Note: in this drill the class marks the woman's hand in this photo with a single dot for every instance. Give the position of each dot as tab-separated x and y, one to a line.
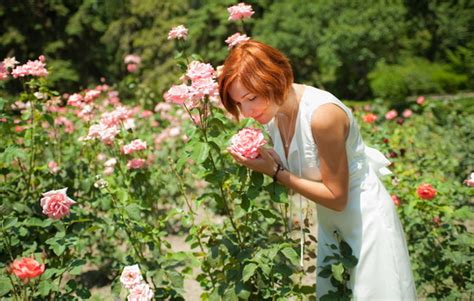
266	163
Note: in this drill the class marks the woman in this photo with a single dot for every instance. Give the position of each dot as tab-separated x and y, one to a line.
319	153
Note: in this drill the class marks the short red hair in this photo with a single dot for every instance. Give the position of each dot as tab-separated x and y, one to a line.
260	68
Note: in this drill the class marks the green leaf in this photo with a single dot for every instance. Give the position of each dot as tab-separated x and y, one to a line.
5	285
291	255
248	271
200	152
133	211
10	222
44	288
242	290
58	249
76	266
337	271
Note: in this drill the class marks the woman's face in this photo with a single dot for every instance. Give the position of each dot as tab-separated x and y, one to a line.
252	105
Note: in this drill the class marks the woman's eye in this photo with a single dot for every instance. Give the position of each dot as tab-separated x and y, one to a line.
253	98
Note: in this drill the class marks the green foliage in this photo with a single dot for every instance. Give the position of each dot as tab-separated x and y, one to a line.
414	76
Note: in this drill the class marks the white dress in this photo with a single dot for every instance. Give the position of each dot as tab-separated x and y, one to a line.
369	223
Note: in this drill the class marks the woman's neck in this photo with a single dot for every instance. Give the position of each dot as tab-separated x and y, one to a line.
290	107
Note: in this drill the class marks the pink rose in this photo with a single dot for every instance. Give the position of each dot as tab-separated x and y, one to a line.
240	11
247	141
132	68
10	62
470	181
34	68
177	94
396	200
178	32
3	72
75	100
236	39
91	95
26	268
132	59
136	163
420	100
197	70
131	276
391	114
135	145
407	113
369	118
426	191
53	166
56	203
141	292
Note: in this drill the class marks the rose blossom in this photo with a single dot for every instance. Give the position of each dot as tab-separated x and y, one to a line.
247	141
396	200
132	59
177	94
135	145
132	68
131	276
426	191
420	100
240	11
369	118
26	268
470	181
178	32
91	95
197	70
391	114
407	113
136	163
140	292
56	203
236	39
53	166
34	68
3	72
10	62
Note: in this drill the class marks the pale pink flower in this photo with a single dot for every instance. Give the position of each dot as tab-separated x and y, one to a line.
75	100
197	70
101	157
236	39
240	11
407	113
178	32
136	163
91	95
420	100
132	59
391	114
470	181
109	171
141	292
131	276
103	132
10	62
41	58
3	72
247	142
174	131
111	162
120	114
56	203
135	145
132	68
162	107
68	125
202	87
53	166
146	114
34	68
177	94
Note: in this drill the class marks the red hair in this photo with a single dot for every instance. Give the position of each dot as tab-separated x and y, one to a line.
260	68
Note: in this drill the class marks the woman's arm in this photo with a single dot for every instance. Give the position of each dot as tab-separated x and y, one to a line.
330	127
